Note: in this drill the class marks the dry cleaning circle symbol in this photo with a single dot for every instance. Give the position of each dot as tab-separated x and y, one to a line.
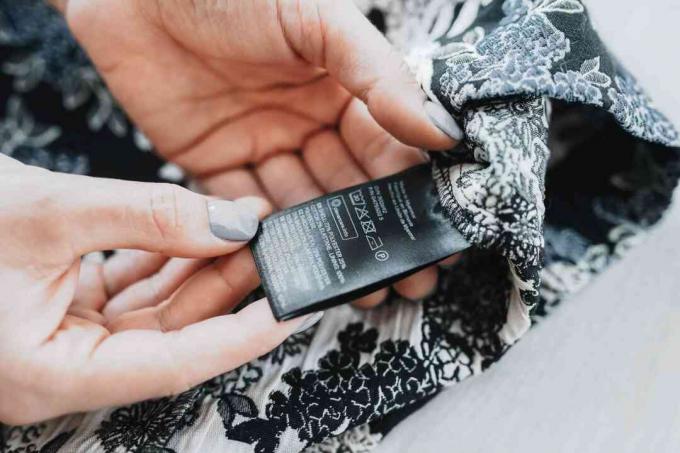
382	255
336	203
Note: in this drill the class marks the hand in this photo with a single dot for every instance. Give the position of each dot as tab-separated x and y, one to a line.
232	90
58	354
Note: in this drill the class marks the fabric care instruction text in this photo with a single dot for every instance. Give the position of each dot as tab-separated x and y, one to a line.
350	241
302	250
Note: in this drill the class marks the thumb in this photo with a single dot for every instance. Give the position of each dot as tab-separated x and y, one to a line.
105	214
355	53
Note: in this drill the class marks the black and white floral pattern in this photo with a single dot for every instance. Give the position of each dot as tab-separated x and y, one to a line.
497	200
534	186
47	54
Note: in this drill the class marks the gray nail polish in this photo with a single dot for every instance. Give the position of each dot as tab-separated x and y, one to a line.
443	120
231	221
309	322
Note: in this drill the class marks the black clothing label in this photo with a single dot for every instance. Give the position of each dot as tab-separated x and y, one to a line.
350	243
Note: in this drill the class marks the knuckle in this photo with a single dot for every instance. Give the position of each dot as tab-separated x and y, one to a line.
165	211
226	280
165	319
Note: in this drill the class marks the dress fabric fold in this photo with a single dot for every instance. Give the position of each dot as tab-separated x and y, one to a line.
565	166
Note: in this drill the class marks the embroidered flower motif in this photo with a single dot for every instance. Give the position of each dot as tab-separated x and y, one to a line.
500	205
233	404
519	58
235	381
634	111
18	129
291	347
581	86
356	340
514	58
334	368
21	439
355	440
45	53
28	141
144	426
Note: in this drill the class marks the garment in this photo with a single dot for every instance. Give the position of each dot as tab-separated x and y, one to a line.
565	165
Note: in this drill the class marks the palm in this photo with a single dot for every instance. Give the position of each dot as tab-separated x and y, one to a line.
194	94
74	359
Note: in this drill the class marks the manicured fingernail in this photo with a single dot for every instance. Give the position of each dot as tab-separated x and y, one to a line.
443	120
232	221
309	322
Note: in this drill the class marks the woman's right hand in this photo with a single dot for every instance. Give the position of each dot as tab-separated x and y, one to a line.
59	353
284	99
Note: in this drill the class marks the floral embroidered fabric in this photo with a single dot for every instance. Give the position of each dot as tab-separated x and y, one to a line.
565	165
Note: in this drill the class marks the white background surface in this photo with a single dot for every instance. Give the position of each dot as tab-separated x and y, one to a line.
602	374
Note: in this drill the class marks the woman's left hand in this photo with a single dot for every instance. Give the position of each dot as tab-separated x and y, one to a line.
59	352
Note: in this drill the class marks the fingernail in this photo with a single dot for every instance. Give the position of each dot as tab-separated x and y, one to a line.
443	120
309	322
232	221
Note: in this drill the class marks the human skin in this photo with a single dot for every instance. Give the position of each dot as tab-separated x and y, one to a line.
284	99
59	353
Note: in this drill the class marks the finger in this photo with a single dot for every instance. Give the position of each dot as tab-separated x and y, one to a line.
213	291
91	291
128	266
232	184
98	282
154	289
360	58
334	168
105	214
419	285
9	164
88	314
330	162
450	261
378	153
372	300
287	180
381	155
245	140
137	365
